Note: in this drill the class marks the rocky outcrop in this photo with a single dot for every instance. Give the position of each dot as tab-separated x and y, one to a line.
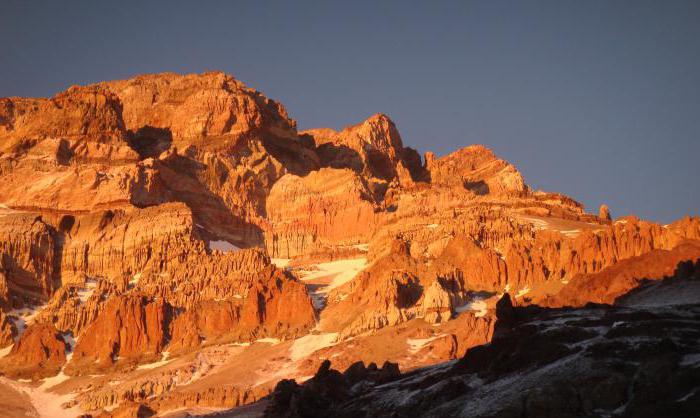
8	331
129	329
436	306
470	266
73	307
476	169
40	352
546	362
197	106
372	148
277	306
604	212
217	397
618	279
78	114
327	208
29	255
327	388
274	306
383	295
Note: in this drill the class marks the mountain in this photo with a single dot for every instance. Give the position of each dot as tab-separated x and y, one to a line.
173	242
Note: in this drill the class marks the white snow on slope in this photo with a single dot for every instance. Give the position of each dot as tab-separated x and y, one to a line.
311	343
339	271
524	291
5	351
268	340
46	403
135	280
223	246
477	305
415	344
335	273
162	362
281	262
85	293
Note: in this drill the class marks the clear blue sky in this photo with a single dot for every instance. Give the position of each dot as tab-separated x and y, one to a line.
596	99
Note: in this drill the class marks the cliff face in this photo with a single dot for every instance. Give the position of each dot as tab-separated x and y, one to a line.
326	208
140	220
477	169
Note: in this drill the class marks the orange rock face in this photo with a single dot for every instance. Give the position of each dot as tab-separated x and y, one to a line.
328	207
372	148
141	218
618	279
8	330
130	328
39	352
476	169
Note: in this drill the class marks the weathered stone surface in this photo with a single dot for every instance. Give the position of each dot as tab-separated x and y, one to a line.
327	207
129	329
476	169
8	331
373	148
40	352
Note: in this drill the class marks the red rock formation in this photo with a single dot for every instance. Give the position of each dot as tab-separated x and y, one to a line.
40	352
277	306
471	266
79	113
618	279
372	148
328	207
198	106
130	328
477	169
8	331
28	259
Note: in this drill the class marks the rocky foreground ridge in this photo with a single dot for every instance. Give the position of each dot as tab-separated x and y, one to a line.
173	241
638	357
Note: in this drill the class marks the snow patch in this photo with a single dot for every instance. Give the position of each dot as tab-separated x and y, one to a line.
281	262
416	344
70	340
268	340
50	382
687	396
332	274
524	291
477	305
163	361
571	232
47	404
135	280
690	360
362	247
340	272
5	351
85	293
311	343
223	246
